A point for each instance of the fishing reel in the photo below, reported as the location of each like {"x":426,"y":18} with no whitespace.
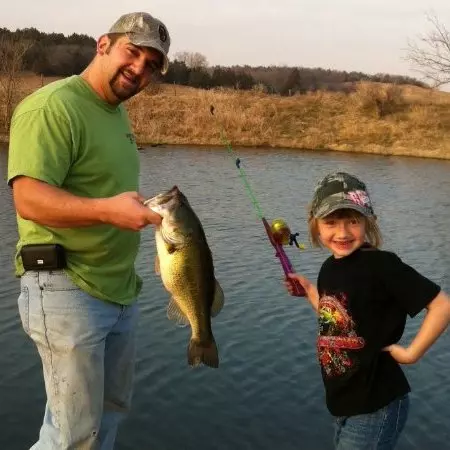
{"x":279,"y":235}
{"x":282,"y":234}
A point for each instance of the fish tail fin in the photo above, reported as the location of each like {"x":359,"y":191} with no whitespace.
{"x":203,"y":352}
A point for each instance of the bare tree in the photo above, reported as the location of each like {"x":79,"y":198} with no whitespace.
{"x":431,"y":55}
{"x":12,"y":52}
{"x":193,"y":60}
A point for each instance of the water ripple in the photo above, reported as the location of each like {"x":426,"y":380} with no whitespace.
{"x":267,"y":392}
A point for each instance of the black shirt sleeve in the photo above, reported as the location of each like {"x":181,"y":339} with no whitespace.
{"x":408,"y":287}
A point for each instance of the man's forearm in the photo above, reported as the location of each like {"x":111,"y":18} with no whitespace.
{"x":51,"y":206}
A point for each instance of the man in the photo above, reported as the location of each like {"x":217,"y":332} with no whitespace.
{"x":74,"y":168}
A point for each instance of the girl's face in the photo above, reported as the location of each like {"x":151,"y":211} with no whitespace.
{"x":342,"y":235}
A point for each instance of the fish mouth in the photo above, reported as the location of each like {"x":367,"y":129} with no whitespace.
{"x":161,"y":199}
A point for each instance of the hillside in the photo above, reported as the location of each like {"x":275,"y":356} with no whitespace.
{"x":371,"y":118}
{"x":375,"y":118}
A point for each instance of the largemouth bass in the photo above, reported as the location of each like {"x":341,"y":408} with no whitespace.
{"x":185,"y":264}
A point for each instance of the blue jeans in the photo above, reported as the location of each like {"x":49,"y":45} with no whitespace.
{"x":87,"y":348}
{"x":375,"y":431}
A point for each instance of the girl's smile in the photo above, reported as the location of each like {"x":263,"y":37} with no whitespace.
{"x":342,"y":236}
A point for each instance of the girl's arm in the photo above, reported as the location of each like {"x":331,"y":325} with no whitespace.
{"x":311,"y":290}
{"x":436,"y":321}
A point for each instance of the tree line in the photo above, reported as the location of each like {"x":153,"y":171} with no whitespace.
{"x":54,"y":54}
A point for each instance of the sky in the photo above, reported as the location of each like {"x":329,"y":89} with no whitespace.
{"x":369,"y":36}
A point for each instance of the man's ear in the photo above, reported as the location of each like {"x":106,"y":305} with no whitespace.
{"x":103,"y":44}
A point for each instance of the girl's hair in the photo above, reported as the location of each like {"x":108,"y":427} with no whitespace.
{"x":373,"y":233}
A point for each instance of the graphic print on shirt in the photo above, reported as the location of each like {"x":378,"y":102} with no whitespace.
{"x":336,"y":336}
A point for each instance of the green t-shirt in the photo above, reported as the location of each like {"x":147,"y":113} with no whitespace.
{"x":65,"y":135}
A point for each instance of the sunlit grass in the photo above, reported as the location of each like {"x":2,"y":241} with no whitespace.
{"x":374,"y":118}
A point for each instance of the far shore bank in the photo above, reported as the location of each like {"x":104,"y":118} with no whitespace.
{"x":148,"y":146}
{"x":375,"y":118}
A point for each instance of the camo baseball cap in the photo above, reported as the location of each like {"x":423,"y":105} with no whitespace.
{"x":340,"y":190}
{"x":145,"y":30}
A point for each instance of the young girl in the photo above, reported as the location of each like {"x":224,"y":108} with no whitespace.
{"x":362,"y":298}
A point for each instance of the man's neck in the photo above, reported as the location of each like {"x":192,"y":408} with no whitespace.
{"x":90,"y":76}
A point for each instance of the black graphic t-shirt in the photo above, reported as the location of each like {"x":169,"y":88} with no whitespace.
{"x":364,"y":300}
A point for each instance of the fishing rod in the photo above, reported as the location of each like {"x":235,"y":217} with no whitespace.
{"x":278,"y":232}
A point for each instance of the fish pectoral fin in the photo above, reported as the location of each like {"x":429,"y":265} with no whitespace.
{"x":219,"y":300}
{"x":170,"y":248}
{"x":174,"y":313}
{"x":157,"y":270}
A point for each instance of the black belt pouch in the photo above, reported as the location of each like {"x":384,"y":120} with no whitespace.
{"x":43,"y":257}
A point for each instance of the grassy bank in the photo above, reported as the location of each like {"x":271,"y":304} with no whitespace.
{"x":375,"y":118}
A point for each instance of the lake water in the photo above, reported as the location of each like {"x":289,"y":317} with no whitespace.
{"x":267,"y":392}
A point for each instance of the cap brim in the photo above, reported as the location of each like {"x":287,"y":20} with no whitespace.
{"x":142,"y":42}
{"x":344,"y":204}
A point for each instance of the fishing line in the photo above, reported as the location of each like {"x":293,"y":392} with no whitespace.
{"x":242,"y":173}
{"x":279,"y":233}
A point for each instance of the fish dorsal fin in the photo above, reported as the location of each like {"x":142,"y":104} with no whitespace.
{"x":174,"y":313}
{"x":219,"y":300}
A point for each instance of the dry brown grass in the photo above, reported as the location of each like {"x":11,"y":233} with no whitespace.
{"x":376,"y":118}
{"x":26,"y":84}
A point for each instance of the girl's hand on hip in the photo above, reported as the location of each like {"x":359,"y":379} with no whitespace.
{"x":401,"y":354}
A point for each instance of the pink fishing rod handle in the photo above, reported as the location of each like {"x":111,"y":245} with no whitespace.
{"x":287,"y":268}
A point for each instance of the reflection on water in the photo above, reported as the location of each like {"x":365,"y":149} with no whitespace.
{"x":267,"y":393}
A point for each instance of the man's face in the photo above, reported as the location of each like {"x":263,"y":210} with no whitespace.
{"x":128,"y":68}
